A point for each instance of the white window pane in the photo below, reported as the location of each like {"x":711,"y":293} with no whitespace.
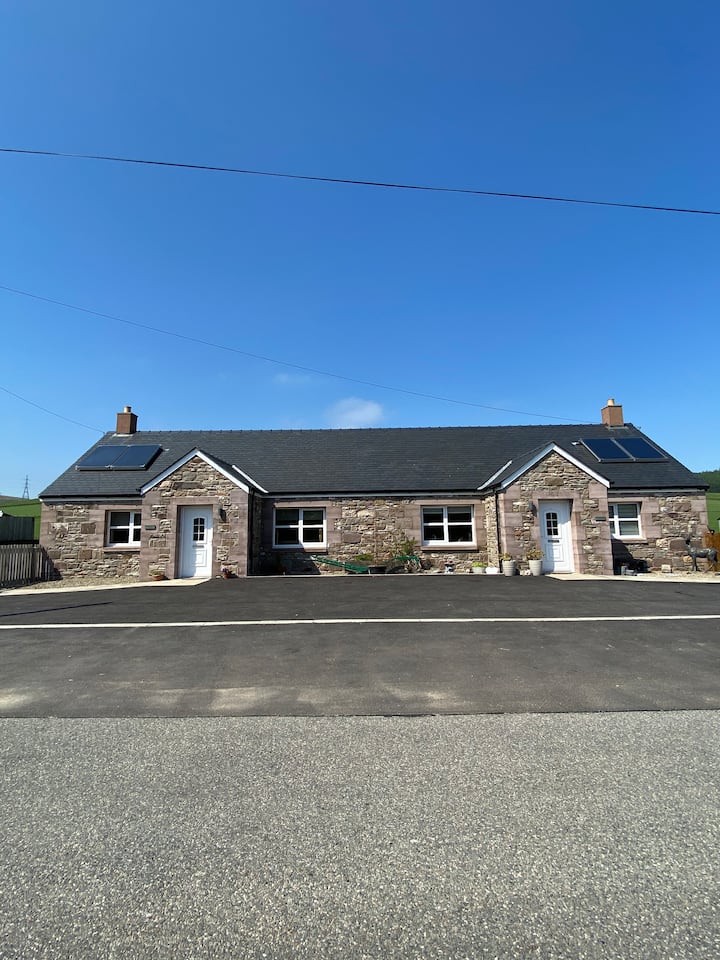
{"x":286,"y":516}
{"x":629,"y":528}
{"x":459,"y":515}
{"x":627,"y":511}
{"x":312,"y":517}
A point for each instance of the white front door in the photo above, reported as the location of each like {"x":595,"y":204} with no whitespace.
{"x":556,"y":534}
{"x":195,"y":542}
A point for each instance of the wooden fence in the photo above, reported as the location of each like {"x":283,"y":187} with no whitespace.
{"x":23,"y":563}
{"x":16,"y":529}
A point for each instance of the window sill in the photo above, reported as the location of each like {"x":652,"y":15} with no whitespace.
{"x":117,"y":549}
{"x":460,"y":547}
{"x":319,"y":548}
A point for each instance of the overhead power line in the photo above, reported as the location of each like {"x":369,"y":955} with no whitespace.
{"x":282,"y":363}
{"x":52,"y":413}
{"x":357,"y":183}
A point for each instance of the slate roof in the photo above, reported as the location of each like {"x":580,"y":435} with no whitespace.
{"x":378,"y":460}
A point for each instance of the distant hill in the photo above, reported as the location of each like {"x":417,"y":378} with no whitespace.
{"x":712,"y":477}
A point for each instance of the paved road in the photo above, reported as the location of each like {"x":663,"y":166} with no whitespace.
{"x":558,"y":837}
{"x":197,"y":835}
{"x":300,"y":598}
{"x":380,"y":646}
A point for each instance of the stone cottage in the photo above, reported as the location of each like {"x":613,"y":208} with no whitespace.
{"x":592,"y":497}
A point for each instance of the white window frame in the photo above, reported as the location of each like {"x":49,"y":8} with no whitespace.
{"x":447,"y":523}
{"x":133,"y":528}
{"x":615,"y":520}
{"x":300,"y":526}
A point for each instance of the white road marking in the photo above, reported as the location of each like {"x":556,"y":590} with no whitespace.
{"x":348,"y":620}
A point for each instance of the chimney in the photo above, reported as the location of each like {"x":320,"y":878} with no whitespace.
{"x":612,"y":415}
{"x":126,"y":421}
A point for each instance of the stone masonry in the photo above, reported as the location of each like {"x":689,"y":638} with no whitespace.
{"x":367,"y":527}
{"x":74,"y":535}
{"x":556,"y":478}
{"x":196,"y":483}
{"x":667,"y":520}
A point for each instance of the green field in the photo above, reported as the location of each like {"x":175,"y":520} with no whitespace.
{"x":713,"y":504}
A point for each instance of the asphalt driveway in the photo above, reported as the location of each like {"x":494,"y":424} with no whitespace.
{"x":361,"y":646}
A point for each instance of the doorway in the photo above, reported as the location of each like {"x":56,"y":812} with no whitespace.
{"x":556,"y":535}
{"x":196,"y":528}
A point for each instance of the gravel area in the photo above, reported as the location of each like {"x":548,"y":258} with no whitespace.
{"x":557,"y":837}
{"x":73,"y":583}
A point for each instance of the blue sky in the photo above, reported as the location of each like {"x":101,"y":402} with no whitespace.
{"x":542,"y":309}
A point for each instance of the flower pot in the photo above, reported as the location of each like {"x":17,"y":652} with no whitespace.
{"x":508,"y":568}
{"x":536,"y":567}
{"x":492,"y":571}
{"x":477,"y":569}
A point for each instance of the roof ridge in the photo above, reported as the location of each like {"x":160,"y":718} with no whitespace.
{"x":348,"y":430}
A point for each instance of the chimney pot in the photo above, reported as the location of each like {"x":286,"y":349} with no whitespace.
{"x":612,"y":414}
{"x":126,"y":422}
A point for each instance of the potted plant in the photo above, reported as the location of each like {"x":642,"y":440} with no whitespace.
{"x":534,"y":557}
{"x":508,"y":564}
{"x":478,"y":566}
{"x":157,"y":573}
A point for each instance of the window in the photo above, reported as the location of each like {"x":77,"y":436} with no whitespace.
{"x":442,"y":525}
{"x":299,"y":527}
{"x":123,"y":528}
{"x":624,"y":520}
{"x":552,"y":526}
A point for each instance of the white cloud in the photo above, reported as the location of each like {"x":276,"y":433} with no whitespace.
{"x":354,"y":412}
{"x":291,"y":379}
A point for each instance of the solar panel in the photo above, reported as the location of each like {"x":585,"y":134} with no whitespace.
{"x":136,"y":457}
{"x":605,"y":449}
{"x":640,"y":449}
{"x":101,"y":457}
{"x":120,"y":457}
